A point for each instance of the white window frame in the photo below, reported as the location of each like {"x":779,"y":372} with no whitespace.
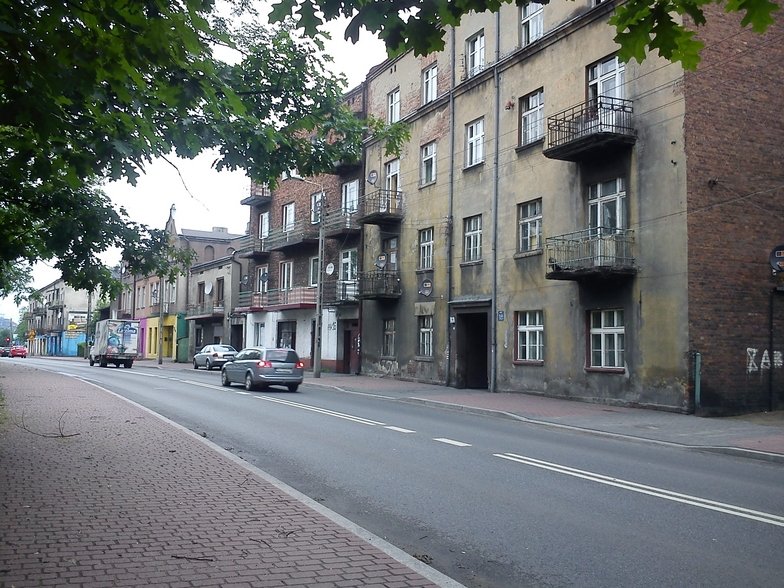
{"x":314,"y":271}
{"x":532,"y":22}
{"x":426,"y":248}
{"x":392,"y":176}
{"x":430,"y":84}
{"x":602,"y":197}
{"x":532,"y":117}
{"x":472,"y":238}
{"x":286,"y":275}
{"x":388,"y":339}
{"x":348,"y":265}
{"x":428,"y":170}
{"x":530,"y":336}
{"x":259,"y":329}
{"x":350,"y":196}
{"x":475,"y":142}
{"x":529,"y":226}
{"x":475,"y":54}
{"x":393,"y":106}
{"x":288,"y":212}
{"x":608,"y":339}
{"x":607,"y":78}
{"x":262,"y":285}
{"x":425,"y":324}
{"x":264,"y":225}
{"x":316,"y":202}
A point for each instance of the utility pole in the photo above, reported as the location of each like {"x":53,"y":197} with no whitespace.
{"x":160,"y":320}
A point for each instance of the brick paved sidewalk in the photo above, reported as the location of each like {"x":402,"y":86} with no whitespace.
{"x":97,"y":491}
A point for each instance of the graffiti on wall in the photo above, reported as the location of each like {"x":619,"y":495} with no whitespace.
{"x":756,"y":362}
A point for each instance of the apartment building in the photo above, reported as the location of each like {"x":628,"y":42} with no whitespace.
{"x":565,"y":224}
{"x":58,"y":320}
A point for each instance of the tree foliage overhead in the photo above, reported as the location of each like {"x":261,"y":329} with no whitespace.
{"x":641,"y":25}
{"x":96,"y":89}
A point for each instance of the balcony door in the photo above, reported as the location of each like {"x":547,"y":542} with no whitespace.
{"x":606,"y":219}
{"x":606,"y":83}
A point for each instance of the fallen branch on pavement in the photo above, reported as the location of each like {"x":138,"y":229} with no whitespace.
{"x":58,"y":435}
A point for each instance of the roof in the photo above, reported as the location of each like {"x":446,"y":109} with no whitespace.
{"x":219,"y":235}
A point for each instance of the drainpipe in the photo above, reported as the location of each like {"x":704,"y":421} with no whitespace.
{"x":232,"y":301}
{"x":449,"y":219}
{"x":493,"y":303}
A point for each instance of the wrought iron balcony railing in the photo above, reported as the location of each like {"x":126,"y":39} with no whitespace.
{"x":589,"y":252}
{"x":379,"y":284}
{"x":381,"y":206}
{"x":600,"y":122}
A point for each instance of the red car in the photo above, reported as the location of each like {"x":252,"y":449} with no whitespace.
{"x":18,"y":351}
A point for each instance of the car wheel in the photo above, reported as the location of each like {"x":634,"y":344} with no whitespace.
{"x":225,"y":378}
{"x":249,"y":382}
{"x":208,"y":365}
{"x":92,"y":363}
{"x":292,"y":387}
{"x":195,"y":365}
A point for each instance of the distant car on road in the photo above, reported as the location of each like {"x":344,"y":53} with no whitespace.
{"x":259,"y":367}
{"x":18,"y":351}
{"x":5,"y":351}
{"x":212,"y":356}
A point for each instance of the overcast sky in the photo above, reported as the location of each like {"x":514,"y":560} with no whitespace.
{"x":214,"y":199}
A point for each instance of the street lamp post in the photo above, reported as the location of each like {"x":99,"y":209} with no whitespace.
{"x":320,"y":284}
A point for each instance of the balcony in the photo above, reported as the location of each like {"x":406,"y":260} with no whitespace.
{"x":596,"y":252}
{"x":303,"y":297}
{"x":259,"y":196}
{"x":253,"y":247}
{"x":340,"y":292}
{"x":595,"y":126}
{"x":205,"y":310}
{"x":340,"y":223}
{"x":379,"y":284}
{"x":381,"y":207}
{"x":296,"y":233}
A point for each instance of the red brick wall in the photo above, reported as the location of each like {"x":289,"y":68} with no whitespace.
{"x":735,"y":146}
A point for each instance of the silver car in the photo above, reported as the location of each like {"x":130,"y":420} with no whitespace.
{"x":259,"y":367}
{"x":212,"y":356}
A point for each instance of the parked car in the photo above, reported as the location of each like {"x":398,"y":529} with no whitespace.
{"x":18,"y":351}
{"x":259,"y":367}
{"x":5,"y":351}
{"x":212,"y":356}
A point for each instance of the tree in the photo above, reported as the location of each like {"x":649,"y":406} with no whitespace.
{"x":641,"y":25}
{"x":95,"y":90}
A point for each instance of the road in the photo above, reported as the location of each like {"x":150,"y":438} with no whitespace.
{"x":491,"y":502}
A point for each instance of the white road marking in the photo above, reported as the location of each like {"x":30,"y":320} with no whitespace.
{"x":323,"y":411}
{"x":737,"y":511}
{"x":399,"y":429}
{"x":451,"y":442}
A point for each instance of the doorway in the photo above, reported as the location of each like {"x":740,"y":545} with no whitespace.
{"x":471,"y":350}
{"x":287,"y":334}
{"x":351,"y":351}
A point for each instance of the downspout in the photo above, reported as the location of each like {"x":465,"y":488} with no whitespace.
{"x":233,"y":302}
{"x":449,"y":219}
{"x":493,"y":304}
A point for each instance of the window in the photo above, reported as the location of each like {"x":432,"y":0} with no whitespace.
{"x":425,"y":336}
{"x":209,"y":253}
{"x":607,"y":206}
{"x":350,"y":192}
{"x":201,"y":293}
{"x":287,"y":275}
{"x":144,"y":296}
{"x":393,"y":106}
{"x":220,"y":289}
{"x":262,"y":278}
{"x":389,"y":200}
{"x":314,"y":271}
{"x":532,"y":22}
{"x":429,"y":84}
{"x":172,"y":290}
{"x":348,"y":265}
{"x":475,"y":54}
{"x":292,"y":173}
{"x":264,"y":225}
{"x":388,"y":344}
{"x":426,"y":248}
{"x":258,"y":334}
{"x":389,"y":246}
{"x":530,"y":336}
{"x":475,"y":140}
{"x":428,"y":174}
{"x":607,"y":78}
{"x":532,"y":117}
{"x":315,"y":207}
{"x":287,"y":218}
{"x":154,"y":293}
{"x":529,"y":226}
{"x":472,"y":231}
{"x":607,"y":339}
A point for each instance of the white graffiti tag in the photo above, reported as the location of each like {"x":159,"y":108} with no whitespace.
{"x":765,"y":363}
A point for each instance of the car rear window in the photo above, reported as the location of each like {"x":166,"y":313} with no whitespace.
{"x":282,"y":355}
{"x":223,"y":348}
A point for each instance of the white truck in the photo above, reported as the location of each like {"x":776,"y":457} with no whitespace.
{"x":116,"y":341}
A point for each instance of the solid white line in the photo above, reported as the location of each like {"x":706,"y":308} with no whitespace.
{"x":451,"y":442}
{"x":323,"y":411}
{"x":738,"y":511}
{"x":399,"y":429}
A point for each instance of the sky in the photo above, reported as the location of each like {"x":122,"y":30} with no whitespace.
{"x":211,"y":199}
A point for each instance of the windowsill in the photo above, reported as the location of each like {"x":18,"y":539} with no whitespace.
{"x":470,"y":263}
{"x":426,"y":184}
{"x":527,"y":362}
{"x":474,"y":166}
{"x":524,"y":254}
{"x":538,"y":142}
{"x":606,"y":370}
{"x":387,"y":358}
{"x":424,"y":271}
{"x":423,"y":358}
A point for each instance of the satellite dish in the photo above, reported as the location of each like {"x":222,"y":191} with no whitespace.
{"x":264,"y":277}
{"x":245,"y":280}
{"x":208,"y":288}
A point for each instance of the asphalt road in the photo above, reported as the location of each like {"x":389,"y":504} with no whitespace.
{"x":492,"y":502}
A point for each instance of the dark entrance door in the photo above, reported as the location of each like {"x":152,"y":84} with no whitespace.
{"x":287,"y":334}
{"x":471,"y":350}
{"x":351,"y":349}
